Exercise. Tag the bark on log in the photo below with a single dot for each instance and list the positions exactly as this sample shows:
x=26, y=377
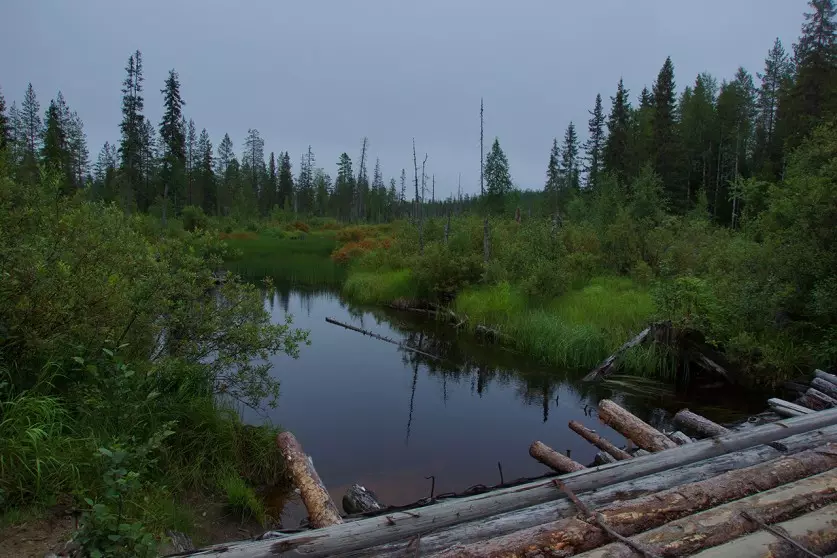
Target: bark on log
x=815, y=531
x=598, y=441
x=321, y=510
x=603, y=458
x=360, y=500
x=679, y=438
x=811, y=402
x=786, y=408
x=553, y=459
x=606, y=366
x=831, y=378
x=824, y=386
x=725, y=523
x=825, y=400
x=485, y=508
x=573, y=535
x=640, y=432
x=700, y=425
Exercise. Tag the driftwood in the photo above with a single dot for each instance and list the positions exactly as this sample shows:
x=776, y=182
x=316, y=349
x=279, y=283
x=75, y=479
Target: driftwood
x=699, y=424
x=638, y=431
x=679, y=438
x=824, y=399
x=606, y=366
x=321, y=510
x=638, y=515
x=598, y=441
x=825, y=386
x=788, y=409
x=726, y=523
x=373, y=532
x=813, y=531
x=360, y=500
x=381, y=338
x=553, y=459
x=831, y=378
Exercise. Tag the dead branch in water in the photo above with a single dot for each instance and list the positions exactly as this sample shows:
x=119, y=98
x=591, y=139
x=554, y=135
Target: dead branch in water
x=382, y=338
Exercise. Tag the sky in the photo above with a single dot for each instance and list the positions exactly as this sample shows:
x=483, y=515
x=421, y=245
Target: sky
x=326, y=73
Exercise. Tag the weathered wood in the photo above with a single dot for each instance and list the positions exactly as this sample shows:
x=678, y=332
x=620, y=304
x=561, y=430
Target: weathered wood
x=598, y=441
x=700, y=425
x=352, y=536
x=606, y=366
x=381, y=338
x=709, y=364
x=824, y=386
x=360, y=500
x=641, y=514
x=815, y=531
x=780, y=405
x=603, y=458
x=811, y=402
x=641, y=453
x=553, y=459
x=321, y=510
x=725, y=523
x=637, y=430
x=679, y=438
x=831, y=378
x=824, y=399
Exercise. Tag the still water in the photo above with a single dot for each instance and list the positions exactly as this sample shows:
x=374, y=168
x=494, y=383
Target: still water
x=369, y=412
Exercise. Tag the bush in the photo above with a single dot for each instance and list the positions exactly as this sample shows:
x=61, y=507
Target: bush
x=242, y=499
x=194, y=218
x=441, y=274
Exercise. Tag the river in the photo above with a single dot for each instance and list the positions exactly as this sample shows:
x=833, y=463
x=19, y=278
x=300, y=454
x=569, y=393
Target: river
x=368, y=412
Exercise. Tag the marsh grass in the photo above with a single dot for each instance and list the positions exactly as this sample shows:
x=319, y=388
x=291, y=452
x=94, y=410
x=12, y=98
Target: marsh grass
x=379, y=287
x=242, y=499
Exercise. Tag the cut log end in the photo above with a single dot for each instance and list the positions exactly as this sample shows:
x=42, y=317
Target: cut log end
x=553, y=459
x=638, y=431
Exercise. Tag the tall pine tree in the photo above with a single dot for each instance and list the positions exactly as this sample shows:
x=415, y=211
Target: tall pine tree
x=553, y=177
x=131, y=142
x=204, y=175
x=498, y=182
x=30, y=133
x=569, y=161
x=5, y=128
x=616, y=149
x=667, y=161
x=172, y=136
x=594, y=146
x=286, y=182
x=776, y=78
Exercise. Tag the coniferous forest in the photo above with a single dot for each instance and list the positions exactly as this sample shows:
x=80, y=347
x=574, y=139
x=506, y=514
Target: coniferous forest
x=709, y=201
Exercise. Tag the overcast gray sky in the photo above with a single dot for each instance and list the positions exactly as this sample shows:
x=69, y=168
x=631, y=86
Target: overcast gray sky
x=327, y=73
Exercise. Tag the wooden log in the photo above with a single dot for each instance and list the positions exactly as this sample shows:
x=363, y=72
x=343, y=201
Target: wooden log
x=698, y=424
x=321, y=510
x=598, y=441
x=641, y=453
x=360, y=500
x=506, y=523
x=778, y=404
x=679, y=438
x=814, y=531
x=638, y=431
x=786, y=413
x=381, y=338
x=824, y=386
x=630, y=517
x=606, y=366
x=399, y=526
x=811, y=402
x=726, y=523
x=603, y=458
x=831, y=378
x=709, y=364
x=826, y=401
x=553, y=459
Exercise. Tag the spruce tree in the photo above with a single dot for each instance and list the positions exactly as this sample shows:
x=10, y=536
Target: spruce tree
x=77, y=146
x=322, y=196
x=54, y=153
x=5, y=128
x=268, y=194
x=553, y=177
x=30, y=132
x=252, y=161
x=104, y=174
x=173, y=138
x=777, y=77
x=615, y=156
x=192, y=196
x=286, y=182
x=664, y=126
x=305, y=182
x=569, y=161
x=205, y=176
x=698, y=133
x=131, y=144
x=594, y=146
x=498, y=182
x=344, y=186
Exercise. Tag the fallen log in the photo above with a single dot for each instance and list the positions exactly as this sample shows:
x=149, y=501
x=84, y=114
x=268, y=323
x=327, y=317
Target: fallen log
x=400, y=526
x=603, y=458
x=709, y=364
x=726, y=523
x=786, y=408
x=360, y=500
x=825, y=400
x=553, y=459
x=814, y=531
x=381, y=338
x=321, y=509
x=679, y=438
x=598, y=441
x=606, y=366
x=700, y=425
x=831, y=378
x=824, y=386
x=638, y=431
x=811, y=402
x=573, y=535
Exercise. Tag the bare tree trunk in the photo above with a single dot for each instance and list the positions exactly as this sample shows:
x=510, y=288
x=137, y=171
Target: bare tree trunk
x=553, y=459
x=321, y=510
x=482, y=154
x=638, y=431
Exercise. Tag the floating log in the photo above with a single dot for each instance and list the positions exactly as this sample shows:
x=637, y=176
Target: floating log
x=381, y=338
x=725, y=523
x=679, y=438
x=700, y=425
x=814, y=531
x=788, y=409
x=641, y=514
x=825, y=400
x=831, y=378
x=598, y=441
x=360, y=500
x=321, y=509
x=640, y=432
x=824, y=386
x=606, y=366
x=553, y=459
x=400, y=526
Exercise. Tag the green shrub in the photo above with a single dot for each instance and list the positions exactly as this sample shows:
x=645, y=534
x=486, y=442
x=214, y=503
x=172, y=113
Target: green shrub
x=194, y=218
x=242, y=499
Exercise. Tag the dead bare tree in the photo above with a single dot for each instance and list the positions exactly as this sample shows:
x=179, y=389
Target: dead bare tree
x=418, y=199
x=482, y=154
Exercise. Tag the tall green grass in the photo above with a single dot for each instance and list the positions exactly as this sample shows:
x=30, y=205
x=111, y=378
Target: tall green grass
x=379, y=287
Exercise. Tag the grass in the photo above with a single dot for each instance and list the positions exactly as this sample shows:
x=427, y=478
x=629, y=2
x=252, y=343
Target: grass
x=242, y=499
x=379, y=287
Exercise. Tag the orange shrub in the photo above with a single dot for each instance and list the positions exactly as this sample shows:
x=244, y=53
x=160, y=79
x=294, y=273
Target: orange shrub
x=301, y=226
x=352, y=250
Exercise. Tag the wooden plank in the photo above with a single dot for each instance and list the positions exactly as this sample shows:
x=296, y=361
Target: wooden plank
x=824, y=386
x=726, y=523
x=629, y=517
x=699, y=424
x=606, y=366
x=826, y=376
x=632, y=427
x=365, y=533
x=551, y=458
x=815, y=531
x=598, y=441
